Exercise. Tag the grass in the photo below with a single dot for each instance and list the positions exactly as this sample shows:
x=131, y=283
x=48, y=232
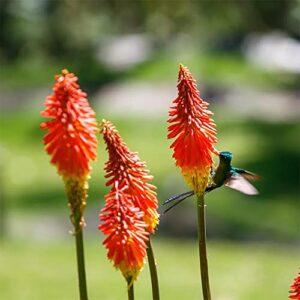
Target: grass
x=34, y=271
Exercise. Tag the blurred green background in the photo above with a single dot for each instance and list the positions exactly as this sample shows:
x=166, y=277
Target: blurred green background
x=245, y=57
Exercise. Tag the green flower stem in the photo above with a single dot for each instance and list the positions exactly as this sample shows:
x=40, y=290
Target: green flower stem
x=80, y=263
x=130, y=289
x=153, y=272
x=202, y=247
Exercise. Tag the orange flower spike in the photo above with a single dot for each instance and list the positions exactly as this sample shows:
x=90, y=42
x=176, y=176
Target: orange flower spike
x=295, y=288
x=194, y=132
x=126, y=168
x=126, y=235
x=71, y=139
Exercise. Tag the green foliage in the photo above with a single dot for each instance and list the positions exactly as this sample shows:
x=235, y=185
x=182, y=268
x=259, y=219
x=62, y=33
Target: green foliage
x=70, y=28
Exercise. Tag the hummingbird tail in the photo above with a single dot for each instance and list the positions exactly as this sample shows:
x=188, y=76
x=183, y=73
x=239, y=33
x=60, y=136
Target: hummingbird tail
x=178, y=197
x=175, y=204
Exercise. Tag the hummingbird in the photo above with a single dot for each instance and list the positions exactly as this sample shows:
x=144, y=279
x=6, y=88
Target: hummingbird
x=224, y=174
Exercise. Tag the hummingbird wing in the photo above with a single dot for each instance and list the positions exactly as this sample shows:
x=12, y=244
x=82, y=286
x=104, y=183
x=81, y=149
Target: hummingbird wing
x=250, y=176
x=240, y=184
x=247, y=174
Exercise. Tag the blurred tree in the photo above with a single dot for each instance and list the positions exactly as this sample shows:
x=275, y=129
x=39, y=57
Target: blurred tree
x=73, y=29
x=10, y=40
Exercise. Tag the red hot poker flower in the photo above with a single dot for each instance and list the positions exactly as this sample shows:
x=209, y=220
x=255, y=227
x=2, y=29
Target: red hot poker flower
x=131, y=206
x=126, y=168
x=194, y=132
x=295, y=288
x=125, y=230
x=71, y=139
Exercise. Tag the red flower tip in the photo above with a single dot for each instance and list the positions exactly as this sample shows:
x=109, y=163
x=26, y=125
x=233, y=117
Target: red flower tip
x=125, y=230
x=194, y=132
x=295, y=288
x=71, y=139
x=127, y=170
